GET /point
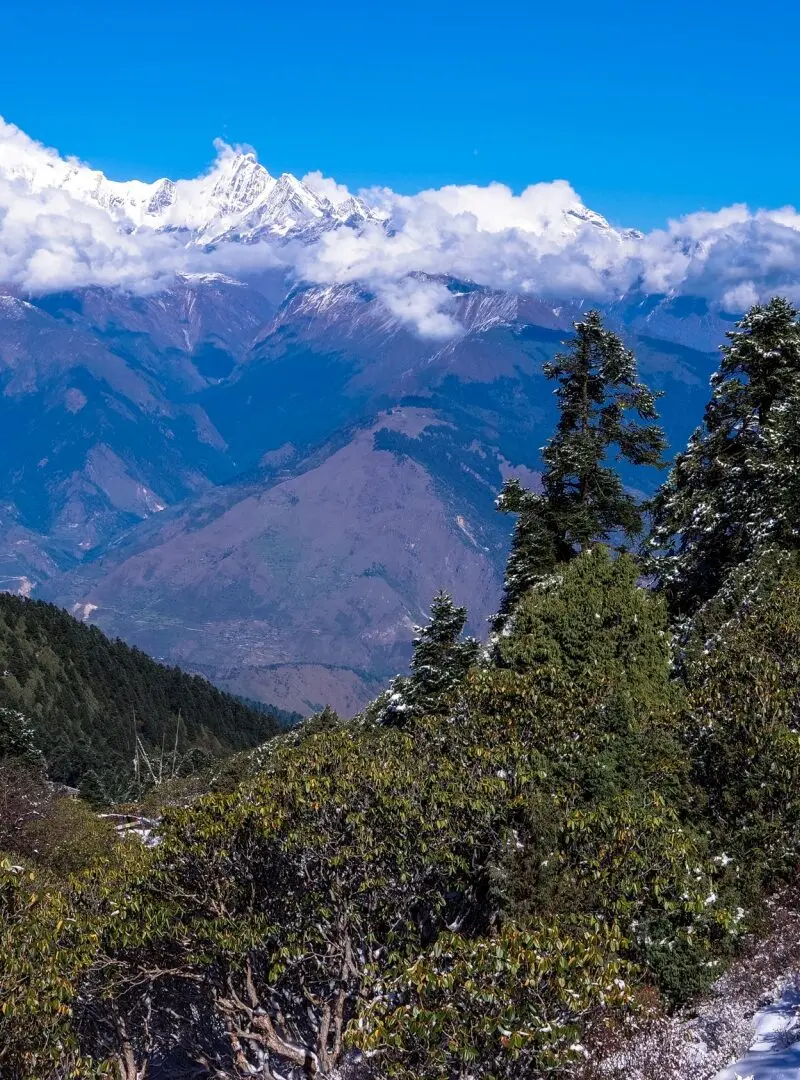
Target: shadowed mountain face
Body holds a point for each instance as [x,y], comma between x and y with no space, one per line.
[268,486]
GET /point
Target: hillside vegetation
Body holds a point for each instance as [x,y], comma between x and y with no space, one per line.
[96,705]
[517,857]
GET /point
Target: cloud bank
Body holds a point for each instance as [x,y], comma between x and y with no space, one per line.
[64,225]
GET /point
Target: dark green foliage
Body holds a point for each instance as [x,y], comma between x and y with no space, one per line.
[326,720]
[349,844]
[18,739]
[583,499]
[744,687]
[606,837]
[393,882]
[474,891]
[600,642]
[286,718]
[62,835]
[597,387]
[438,665]
[592,623]
[736,487]
[629,856]
[86,699]
[536,546]
[540,990]
[24,797]
[49,938]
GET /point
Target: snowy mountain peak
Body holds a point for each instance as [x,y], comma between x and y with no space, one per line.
[162,198]
[291,202]
[488,234]
[238,199]
[585,216]
[241,182]
[353,208]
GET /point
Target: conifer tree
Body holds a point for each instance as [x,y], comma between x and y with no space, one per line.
[18,741]
[439,663]
[602,406]
[735,489]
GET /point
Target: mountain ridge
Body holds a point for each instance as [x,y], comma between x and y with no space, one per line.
[318,399]
[242,355]
[239,199]
[88,699]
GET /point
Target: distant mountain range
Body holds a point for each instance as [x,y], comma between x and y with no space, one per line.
[239,201]
[265,478]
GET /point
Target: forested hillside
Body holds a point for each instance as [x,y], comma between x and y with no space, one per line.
[518,859]
[97,706]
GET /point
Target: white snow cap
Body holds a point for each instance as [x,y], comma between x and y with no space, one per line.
[65,225]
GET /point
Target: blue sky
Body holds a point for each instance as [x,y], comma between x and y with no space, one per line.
[650,110]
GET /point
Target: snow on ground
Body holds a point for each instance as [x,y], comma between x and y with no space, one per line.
[775,1053]
[755,1004]
[128,825]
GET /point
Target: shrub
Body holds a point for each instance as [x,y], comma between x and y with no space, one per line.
[514,1003]
[744,693]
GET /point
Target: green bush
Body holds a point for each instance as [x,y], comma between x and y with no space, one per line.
[514,1003]
[478,891]
[49,940]
[744,693]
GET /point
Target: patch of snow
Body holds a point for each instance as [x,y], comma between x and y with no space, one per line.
[462,524]
[745,1028]
[775,1051]
[20,586]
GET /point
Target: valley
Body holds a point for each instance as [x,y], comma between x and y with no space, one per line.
[198,470]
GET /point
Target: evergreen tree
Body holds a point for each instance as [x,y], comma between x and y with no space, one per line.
[438,665]
[735,489]
[18,741]
[595,629]
[77,698]
[583,499]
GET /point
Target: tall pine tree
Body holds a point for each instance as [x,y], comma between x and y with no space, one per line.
[603,408]
[735,490]
[439,663]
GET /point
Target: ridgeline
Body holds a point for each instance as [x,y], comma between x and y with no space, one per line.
[100,710]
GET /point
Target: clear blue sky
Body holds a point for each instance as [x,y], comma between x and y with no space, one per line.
[650,109]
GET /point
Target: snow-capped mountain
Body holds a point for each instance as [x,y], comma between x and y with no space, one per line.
[237,200]
[207,437]
[65,225]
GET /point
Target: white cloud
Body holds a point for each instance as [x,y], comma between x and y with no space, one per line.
[326,187]
[422,304]
[740,297]
[539,209]
[532,242]
[63,225]
[50,241]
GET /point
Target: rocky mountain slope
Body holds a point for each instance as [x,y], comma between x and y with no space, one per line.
[257,473]
[306,588]
[281,524]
